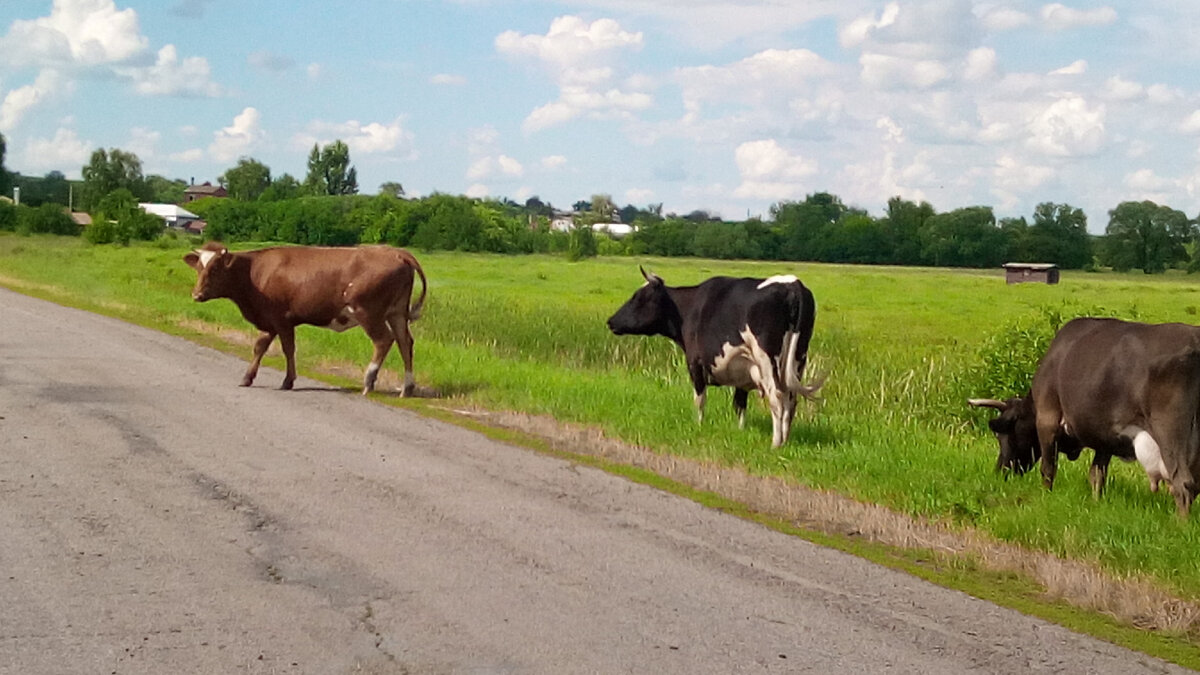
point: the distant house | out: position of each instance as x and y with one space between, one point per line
81 218
193 192
564 221
173 215
195 226
1019 273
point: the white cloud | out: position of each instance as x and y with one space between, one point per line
577 55
21 100
1145 181
859 30
487 167
981 64
1161 94
81 32
1191 125
570 42
64 150
313 70
171 77
1120 89
1077 67
448 79
478 191
769 171
1005 19
770 73
368 139
553 162
889 72
237 139
143 142
1056 16
1069 127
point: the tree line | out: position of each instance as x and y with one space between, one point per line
326 209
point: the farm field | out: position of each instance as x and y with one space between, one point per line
902 349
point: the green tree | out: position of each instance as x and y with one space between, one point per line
966 237
1146 236
284 187
118 219
1059 235
804 226
392 188
247 180
5 177
330 172
904 221
112 170
165 190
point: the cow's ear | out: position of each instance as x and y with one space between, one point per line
193 260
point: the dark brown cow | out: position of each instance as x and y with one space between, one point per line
1124 389
277 289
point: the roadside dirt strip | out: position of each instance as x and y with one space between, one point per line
156 518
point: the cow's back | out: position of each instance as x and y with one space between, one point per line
1103 374
310 283
727 306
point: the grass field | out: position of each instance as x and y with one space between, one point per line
899 345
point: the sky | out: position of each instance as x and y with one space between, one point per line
727 106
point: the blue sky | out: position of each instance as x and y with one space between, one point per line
721 105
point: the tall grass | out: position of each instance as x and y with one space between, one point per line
902 347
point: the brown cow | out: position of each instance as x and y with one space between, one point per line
280 288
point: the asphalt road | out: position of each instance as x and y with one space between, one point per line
156 518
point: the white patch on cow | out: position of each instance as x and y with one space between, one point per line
700 400
749 366
1148 454
206 257
778 279
344 321
734 364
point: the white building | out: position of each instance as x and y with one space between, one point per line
172 214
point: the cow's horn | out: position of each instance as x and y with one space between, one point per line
650 276
988 403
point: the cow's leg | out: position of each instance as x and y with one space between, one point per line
1098 473
699 385
1047 430
381 336
287 340
260 348
789 413
739 406
404 342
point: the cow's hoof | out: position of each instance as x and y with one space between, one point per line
245 383
407 391
286 386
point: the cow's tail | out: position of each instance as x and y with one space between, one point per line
802 310
414 310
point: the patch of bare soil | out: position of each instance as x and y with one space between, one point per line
1132 600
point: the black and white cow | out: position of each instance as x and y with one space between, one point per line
749 334
1124 389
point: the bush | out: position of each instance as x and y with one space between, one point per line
8 216
582 243
1007 361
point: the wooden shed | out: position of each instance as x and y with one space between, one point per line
1018 273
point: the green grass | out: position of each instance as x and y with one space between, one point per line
528 334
